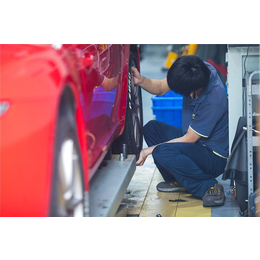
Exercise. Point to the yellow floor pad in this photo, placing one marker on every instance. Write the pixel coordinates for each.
(192, 207)
(139, 186)
(158, 202)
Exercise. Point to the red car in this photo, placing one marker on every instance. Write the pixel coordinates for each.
(63, 108)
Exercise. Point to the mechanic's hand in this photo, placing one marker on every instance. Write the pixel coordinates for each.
(143, 155)
(137, 76)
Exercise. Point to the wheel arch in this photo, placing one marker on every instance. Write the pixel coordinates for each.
(69, 103)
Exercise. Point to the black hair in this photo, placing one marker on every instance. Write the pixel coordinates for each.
(187, 74)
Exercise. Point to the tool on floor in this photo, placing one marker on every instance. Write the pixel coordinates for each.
(178, 200)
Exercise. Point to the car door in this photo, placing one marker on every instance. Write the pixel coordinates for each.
(103, 78)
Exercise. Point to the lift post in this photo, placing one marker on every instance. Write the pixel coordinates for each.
(108, 186)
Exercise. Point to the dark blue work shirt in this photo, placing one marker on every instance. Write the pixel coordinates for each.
(207, 115)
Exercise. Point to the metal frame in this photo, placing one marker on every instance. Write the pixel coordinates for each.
(235, 58)
(251, 140)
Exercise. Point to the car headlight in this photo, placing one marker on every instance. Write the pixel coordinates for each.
(3, 107)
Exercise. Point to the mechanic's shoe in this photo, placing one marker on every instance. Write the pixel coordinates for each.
(214, 196)
(170, 187)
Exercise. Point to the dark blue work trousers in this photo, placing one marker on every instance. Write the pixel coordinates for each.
(194, 166)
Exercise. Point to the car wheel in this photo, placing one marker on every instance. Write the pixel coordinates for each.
(68, 182)
(133, 131)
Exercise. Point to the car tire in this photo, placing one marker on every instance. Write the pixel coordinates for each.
(67, 198)
(133, 131)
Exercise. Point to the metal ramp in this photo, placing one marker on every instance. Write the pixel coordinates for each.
(108, 186)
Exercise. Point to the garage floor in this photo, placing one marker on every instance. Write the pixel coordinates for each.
(142, 199)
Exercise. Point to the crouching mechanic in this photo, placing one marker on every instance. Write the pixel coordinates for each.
(192, 157)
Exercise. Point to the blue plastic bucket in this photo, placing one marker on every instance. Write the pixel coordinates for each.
(168, 108)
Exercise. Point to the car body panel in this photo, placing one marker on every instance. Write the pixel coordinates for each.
(33, 79)
(106, 113)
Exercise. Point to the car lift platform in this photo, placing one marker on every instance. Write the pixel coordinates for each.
(108, 186)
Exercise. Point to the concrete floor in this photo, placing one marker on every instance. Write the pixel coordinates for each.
(142, 198)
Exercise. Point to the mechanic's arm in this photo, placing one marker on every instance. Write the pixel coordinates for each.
(153, 86)
(189, 137)
(109, 83)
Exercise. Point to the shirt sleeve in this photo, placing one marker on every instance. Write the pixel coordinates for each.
(205, 119)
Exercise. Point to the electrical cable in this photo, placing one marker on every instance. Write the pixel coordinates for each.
(244, 79)
(245, 60)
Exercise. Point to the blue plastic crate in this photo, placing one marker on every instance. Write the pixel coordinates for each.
(168, 108)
